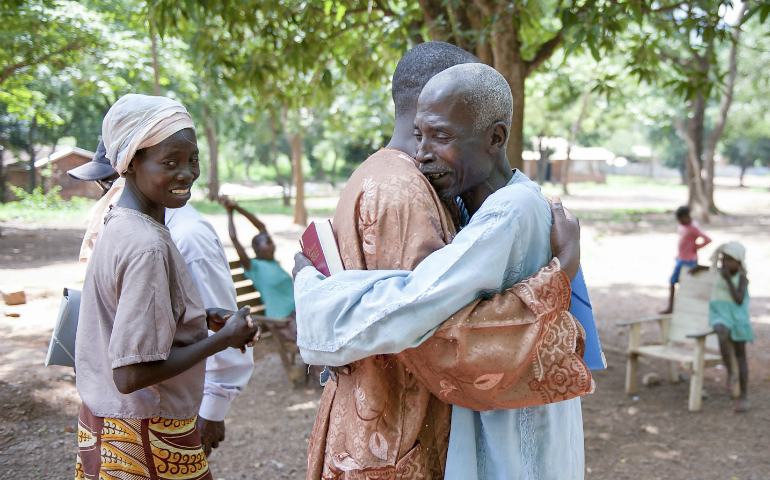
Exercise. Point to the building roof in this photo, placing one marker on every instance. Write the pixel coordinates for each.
(45, 155)
(61, 153)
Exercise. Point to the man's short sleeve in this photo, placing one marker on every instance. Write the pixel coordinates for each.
(144, 321)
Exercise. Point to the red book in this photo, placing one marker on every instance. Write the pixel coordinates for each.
(320, 245)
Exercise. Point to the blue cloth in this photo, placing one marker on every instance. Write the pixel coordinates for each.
(724, 311)
(373, 312)
(274, 285)
(677, 269)
(580, 308)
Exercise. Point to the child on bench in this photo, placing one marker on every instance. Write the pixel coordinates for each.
(269, 279)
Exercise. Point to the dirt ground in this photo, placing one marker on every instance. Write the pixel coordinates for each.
(627, 260)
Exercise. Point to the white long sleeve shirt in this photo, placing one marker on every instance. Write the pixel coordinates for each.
(227, 372)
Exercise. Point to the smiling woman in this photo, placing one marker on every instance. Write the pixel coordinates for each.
(142, 334)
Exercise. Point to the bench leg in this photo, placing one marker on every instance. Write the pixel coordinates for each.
(632, 366)
(283, 353)
(673, 372)
(696, 381)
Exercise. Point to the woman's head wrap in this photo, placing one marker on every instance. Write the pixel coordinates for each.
(133, 122)
(137, 121)
(733, 249)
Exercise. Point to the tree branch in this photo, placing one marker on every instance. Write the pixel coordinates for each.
(11, 69)
(544, 53)
(727, 92)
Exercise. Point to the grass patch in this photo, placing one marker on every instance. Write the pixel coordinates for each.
(616, 183)
(620, 215)
(74, 211)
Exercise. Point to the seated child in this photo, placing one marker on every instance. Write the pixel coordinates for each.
(729, 314)
(689, 232)
(269, 279)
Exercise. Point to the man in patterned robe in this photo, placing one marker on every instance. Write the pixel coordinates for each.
(383, 419)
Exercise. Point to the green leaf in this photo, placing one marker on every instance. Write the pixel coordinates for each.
(341, 12)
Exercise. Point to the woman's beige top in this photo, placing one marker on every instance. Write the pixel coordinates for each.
(138, 301)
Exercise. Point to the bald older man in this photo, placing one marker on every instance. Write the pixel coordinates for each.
(461, 125)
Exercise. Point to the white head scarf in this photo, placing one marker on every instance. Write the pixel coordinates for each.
(137, 121)
(133, 122)
(733, 249)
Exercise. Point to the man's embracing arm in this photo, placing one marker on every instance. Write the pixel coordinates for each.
(517, 349)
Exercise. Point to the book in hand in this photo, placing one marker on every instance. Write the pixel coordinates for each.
(581, 309)
(319, 245)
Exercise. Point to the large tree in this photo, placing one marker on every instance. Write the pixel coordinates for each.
(516, 38)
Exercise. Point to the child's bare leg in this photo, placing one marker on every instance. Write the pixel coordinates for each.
(726, 349)
(743, 367)
(670, 307)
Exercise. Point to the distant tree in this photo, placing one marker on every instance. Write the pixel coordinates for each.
(746, 152)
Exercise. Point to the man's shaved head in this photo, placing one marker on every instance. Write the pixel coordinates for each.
(419, 65)
(481, 88)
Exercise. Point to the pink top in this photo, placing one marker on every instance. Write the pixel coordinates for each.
(688, 241)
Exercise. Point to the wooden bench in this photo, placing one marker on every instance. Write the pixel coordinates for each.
(248, 296)
(687, 340)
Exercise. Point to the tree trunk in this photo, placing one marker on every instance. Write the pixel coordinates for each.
(724, 107)
(743, 171)
(155, 63)
(541, 169)
(295, 146)
(333, 171)
(698, 203)
(573, 133)
(506, 52)
(274, 151)
(2, 176)
(211, 137)
(31, 152)
(694, 125)
(295, 143)
(516, 141)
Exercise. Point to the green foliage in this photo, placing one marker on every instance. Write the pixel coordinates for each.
(38, 200)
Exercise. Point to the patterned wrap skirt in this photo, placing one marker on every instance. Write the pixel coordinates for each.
(139, 449)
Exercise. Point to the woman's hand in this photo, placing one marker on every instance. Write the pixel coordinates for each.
(217, 317)
(565, 238)
(300, 262)
(240, 330)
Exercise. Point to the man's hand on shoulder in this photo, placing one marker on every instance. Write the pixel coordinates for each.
(565, 238)
(300, 262)
(211, 433)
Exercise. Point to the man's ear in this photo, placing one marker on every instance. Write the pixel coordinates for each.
(130, 168)
(498, 136)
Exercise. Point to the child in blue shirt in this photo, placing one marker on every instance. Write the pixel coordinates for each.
(269, 279)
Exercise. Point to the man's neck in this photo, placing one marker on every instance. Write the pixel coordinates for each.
(475, 196)
(403, 136)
